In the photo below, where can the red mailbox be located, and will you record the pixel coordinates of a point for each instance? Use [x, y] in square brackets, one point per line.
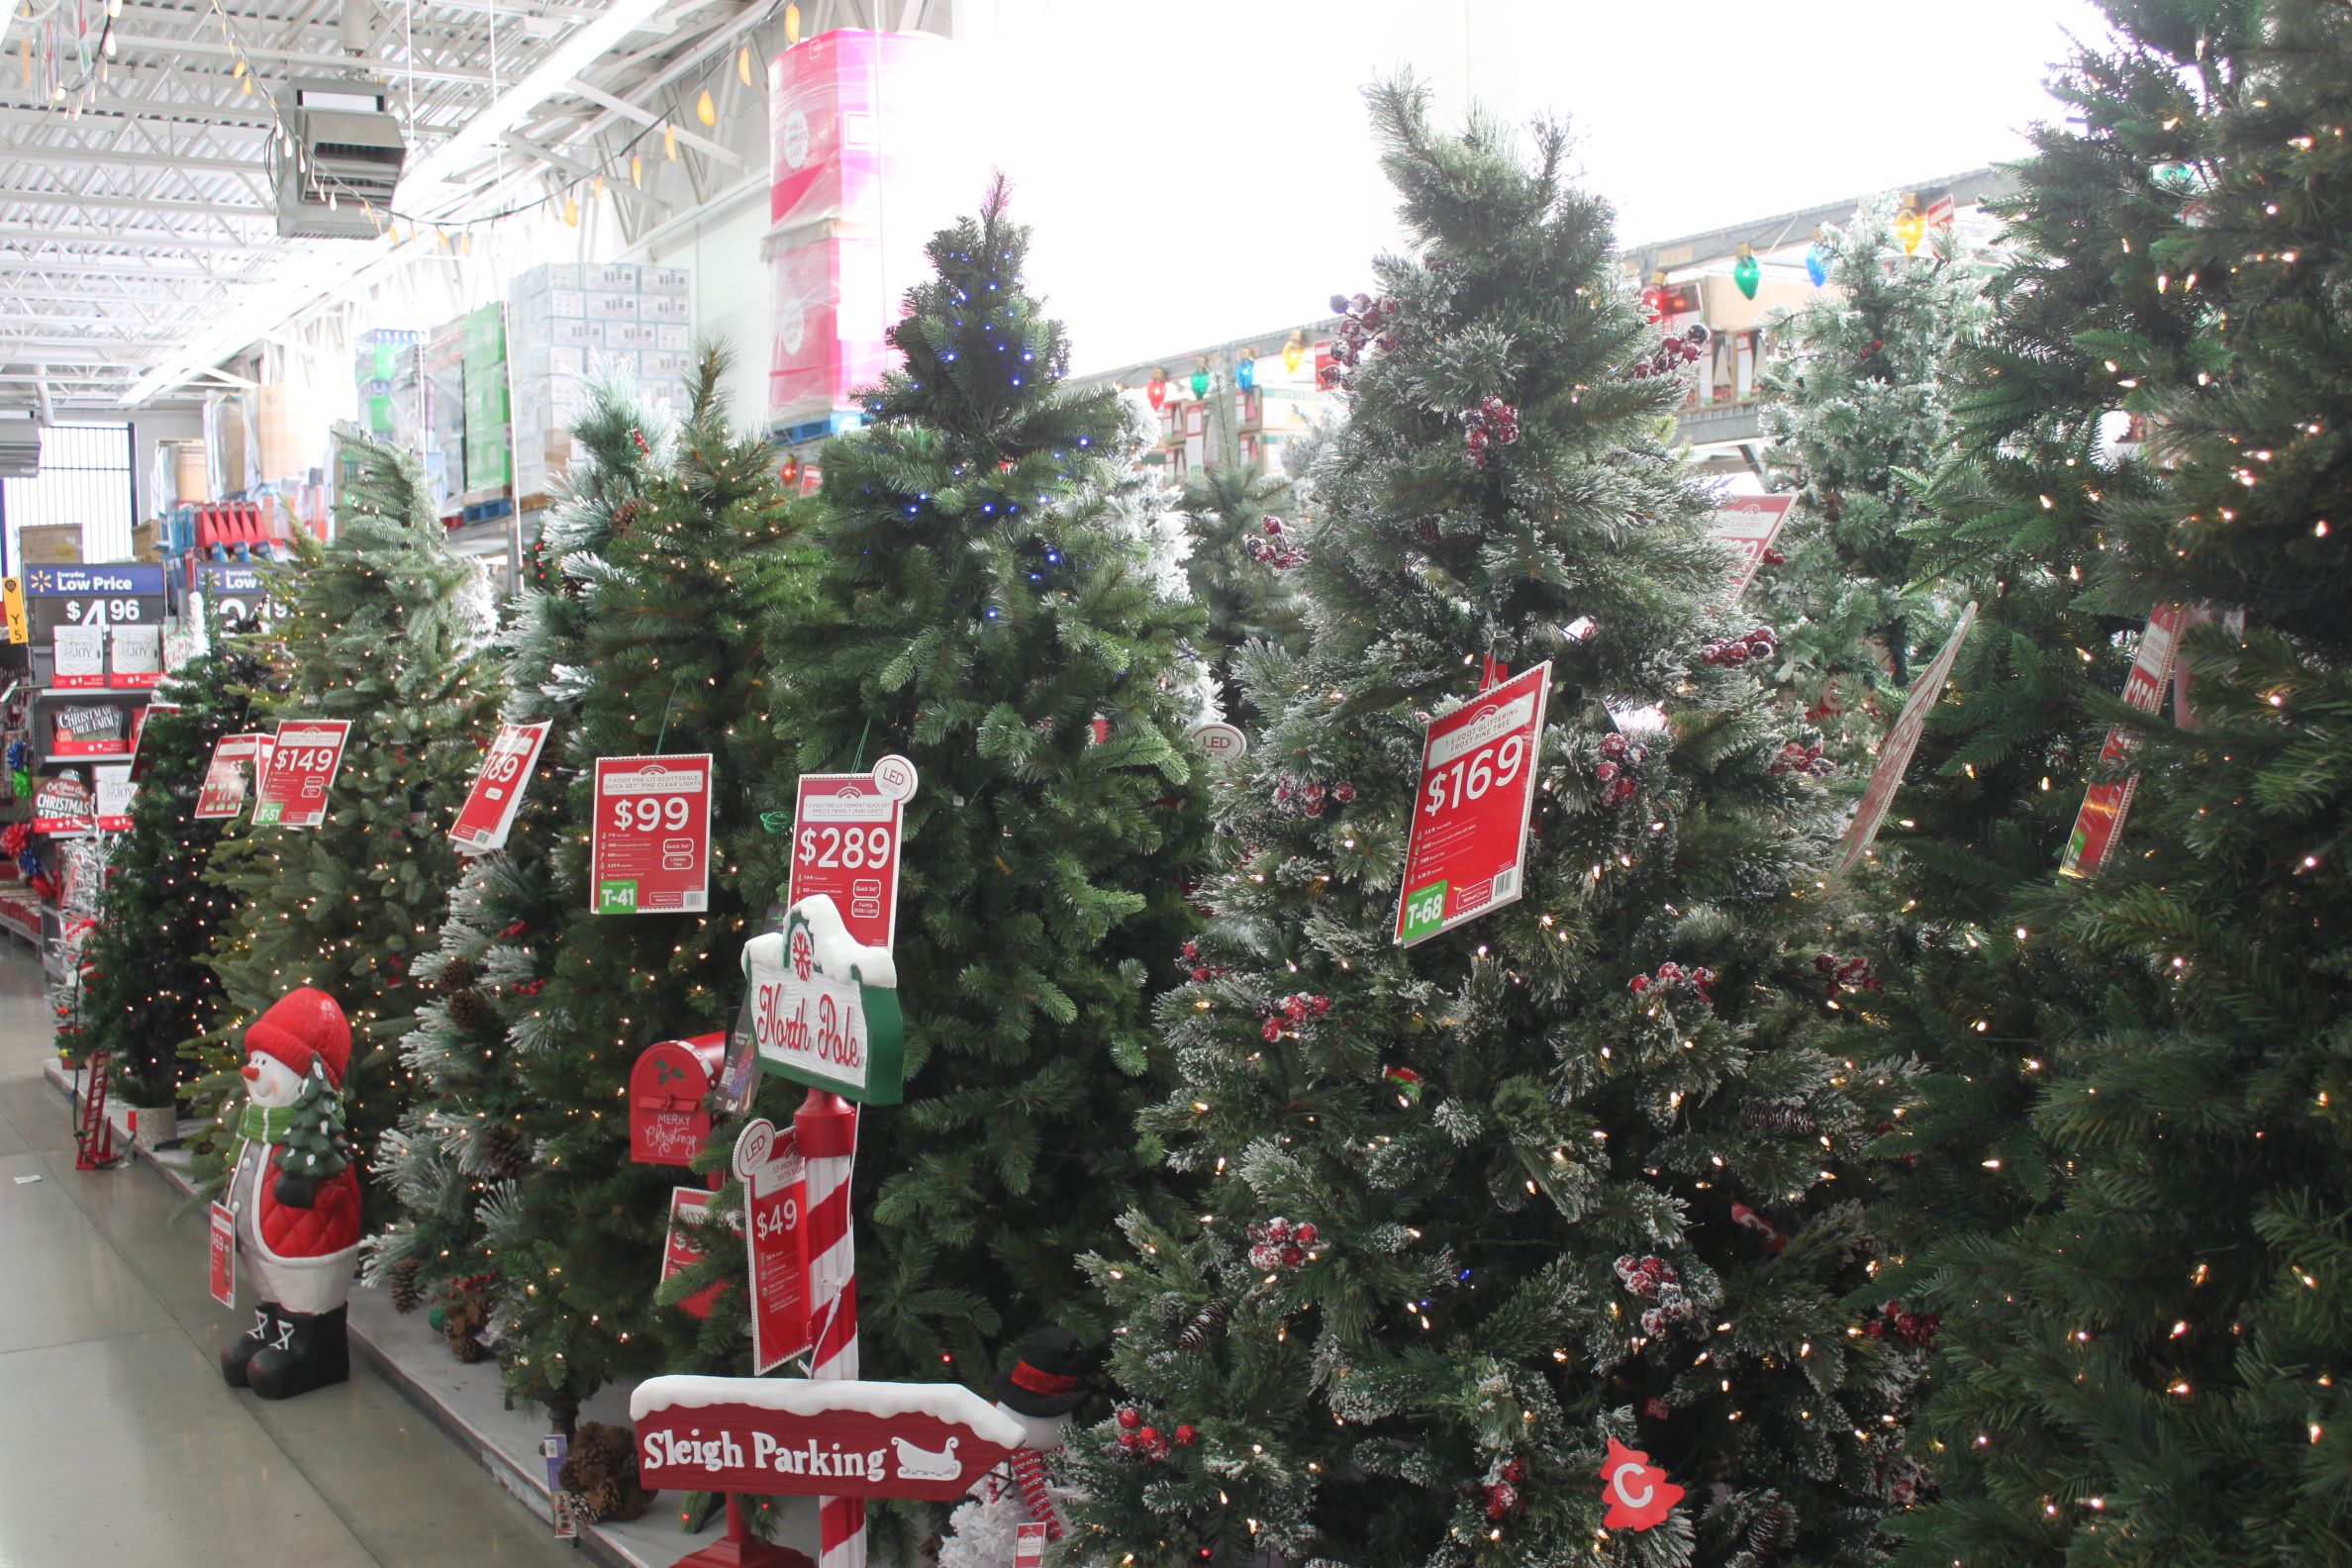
[670, 1117]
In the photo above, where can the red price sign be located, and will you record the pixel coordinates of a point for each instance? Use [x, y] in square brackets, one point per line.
[1029, 1546]
[224, 792]
[1895, 752]
[1746, 525]
[845, 830]
[488, 814]
[224, 1255]
[776, 1189]
[2100, 822]
[679, 1252]
[652, 850]
[1470, 818]
[303, 762]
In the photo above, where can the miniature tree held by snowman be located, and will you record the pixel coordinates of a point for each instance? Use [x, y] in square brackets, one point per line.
[294, 1193]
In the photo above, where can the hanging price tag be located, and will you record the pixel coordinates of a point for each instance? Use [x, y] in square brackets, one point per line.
[488, 814]
[652, 835]
[845, 830]
[1746, 525]
[223, 794]
[1029, 1546]
[1470, 817]
[679, 1252]
[224, 1255]
[2100, 822]
[776, 1190]
[303, 761]
[1895, 752]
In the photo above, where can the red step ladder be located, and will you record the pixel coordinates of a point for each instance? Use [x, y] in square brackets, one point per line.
[93, 1135]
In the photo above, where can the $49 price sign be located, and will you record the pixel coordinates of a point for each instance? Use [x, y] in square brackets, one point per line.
[845, 831]
[1470, 819]
[775, 1186]
[652, 835]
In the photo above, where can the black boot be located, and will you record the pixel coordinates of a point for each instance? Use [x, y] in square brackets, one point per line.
[308, 1352]
[238, 1353]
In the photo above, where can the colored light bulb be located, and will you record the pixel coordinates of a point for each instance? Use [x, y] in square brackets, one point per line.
[1294, 350]
[1246, 373]
[1155, 390]
[1745, 272]
[1200, 379]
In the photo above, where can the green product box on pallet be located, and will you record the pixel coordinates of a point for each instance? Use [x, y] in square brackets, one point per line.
[489, 465]
[485, 399]
[485, 337]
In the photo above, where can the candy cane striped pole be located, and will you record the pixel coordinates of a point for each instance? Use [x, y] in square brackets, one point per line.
[824, 1129]
[1029, 1473]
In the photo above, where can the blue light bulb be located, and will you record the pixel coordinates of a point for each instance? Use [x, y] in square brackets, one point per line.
[1816, 264]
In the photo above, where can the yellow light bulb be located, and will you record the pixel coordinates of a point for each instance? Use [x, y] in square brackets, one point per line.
[705, 109]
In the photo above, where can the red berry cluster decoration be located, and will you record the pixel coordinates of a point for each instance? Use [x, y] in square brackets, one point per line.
[1914, 1327]
[1652, 1279]
[1149, 1442]
[1672, 353]
[530, 987]
[1674, 978]
[1736, 652]
[1502, 1499]
[1773, 558]
[1618, 771]
[1366, 324]
[1270, 549]
[510, 932]
[1287, 1014]
[1200, 970]
[1279, 1244]
[1494, 422]
[1805, 759]
[1299, 797]
[1847, 974]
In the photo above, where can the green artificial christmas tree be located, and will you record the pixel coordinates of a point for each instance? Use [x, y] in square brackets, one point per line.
[317, 1145]
[1581, 1172]
[685, 561]
[1237, 518]
[1854, 396]
[149, 988]
[989, 608]
[466, 1143]
[386, 628]
[2152, 1368]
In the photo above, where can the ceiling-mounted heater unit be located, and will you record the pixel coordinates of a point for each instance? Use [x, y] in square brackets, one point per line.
[19, 443]
[351, 154]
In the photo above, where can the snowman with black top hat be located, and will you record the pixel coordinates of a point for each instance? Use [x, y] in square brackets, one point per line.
[1044, 1383]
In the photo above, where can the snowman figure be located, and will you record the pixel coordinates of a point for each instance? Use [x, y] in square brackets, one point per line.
[1044, 1383]
[294, 1189]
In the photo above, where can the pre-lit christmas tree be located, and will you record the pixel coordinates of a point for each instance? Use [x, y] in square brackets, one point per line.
[466, 1143]
[2153, 1369]
[1239, 518]
[149, 988]
[1854, 396]
[1581, 1171]
[387, 627]
[990, 611]
[692, 566]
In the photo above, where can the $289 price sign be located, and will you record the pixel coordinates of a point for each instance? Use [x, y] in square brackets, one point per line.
[845, 831]
[1470, 817]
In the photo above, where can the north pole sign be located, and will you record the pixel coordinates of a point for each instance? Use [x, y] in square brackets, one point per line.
[1470, 814]
[825, 1006]
[795, 1436]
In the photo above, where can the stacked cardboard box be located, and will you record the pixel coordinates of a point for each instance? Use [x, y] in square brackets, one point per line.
[489, 457]
[387, 368]
[865, 165]
[443, 369]
[571, 321]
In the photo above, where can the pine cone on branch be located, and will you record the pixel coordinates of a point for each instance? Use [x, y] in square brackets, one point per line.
[1205, 1325]
[472, 1010]
[458, 973]
[507, 1150]
[406, 1294]
[1781, 1119]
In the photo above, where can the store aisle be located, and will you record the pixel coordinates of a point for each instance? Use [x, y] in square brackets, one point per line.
[119, 1440]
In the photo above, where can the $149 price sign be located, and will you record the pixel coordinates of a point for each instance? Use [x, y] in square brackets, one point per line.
[845, 831]
[1470, 819]
[652, 837]
[488, 814]
[303, 762]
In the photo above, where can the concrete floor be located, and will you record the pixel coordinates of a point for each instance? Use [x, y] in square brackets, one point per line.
[119, 1442]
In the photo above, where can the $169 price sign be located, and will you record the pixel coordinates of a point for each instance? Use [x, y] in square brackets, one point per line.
[653, 835]
[845, 831]
[488, 814]
[1470, 818]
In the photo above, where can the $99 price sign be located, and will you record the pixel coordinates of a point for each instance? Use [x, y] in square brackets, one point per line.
[1470, 818]
[652, 835]
[845, 831]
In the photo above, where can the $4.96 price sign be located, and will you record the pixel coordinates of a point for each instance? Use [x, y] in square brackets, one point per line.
[488, 814]
[302, 767]
[652, 849]
[845, 830]
[1470, 818]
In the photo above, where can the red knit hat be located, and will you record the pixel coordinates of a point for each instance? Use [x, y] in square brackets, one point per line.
[302, 1024]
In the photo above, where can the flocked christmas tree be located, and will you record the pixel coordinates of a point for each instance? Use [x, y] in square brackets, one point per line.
[1239, 517]
[2154, 1369]
[1854, 395]
[1584, 1170]
[149, 989]
[465, 1144]
[387, 627]
[991, 612]
[693, 568]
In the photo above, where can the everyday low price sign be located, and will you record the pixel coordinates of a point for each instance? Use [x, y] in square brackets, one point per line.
[652, 835]
[1470, 817]
[303, 761]
[223, 794]
[488, 814]
[776, 1189]
[846, 834]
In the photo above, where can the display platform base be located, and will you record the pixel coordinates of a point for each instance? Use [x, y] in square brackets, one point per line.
[468, 1404]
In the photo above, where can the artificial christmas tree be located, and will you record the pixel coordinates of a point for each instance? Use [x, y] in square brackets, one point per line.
[694, 566]
[1239, 521]
[464, 1144]
[2152, 1369]
[149, 988]
[988, 610]
[1854, 396]
[386, 628]
[1492, 1216]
